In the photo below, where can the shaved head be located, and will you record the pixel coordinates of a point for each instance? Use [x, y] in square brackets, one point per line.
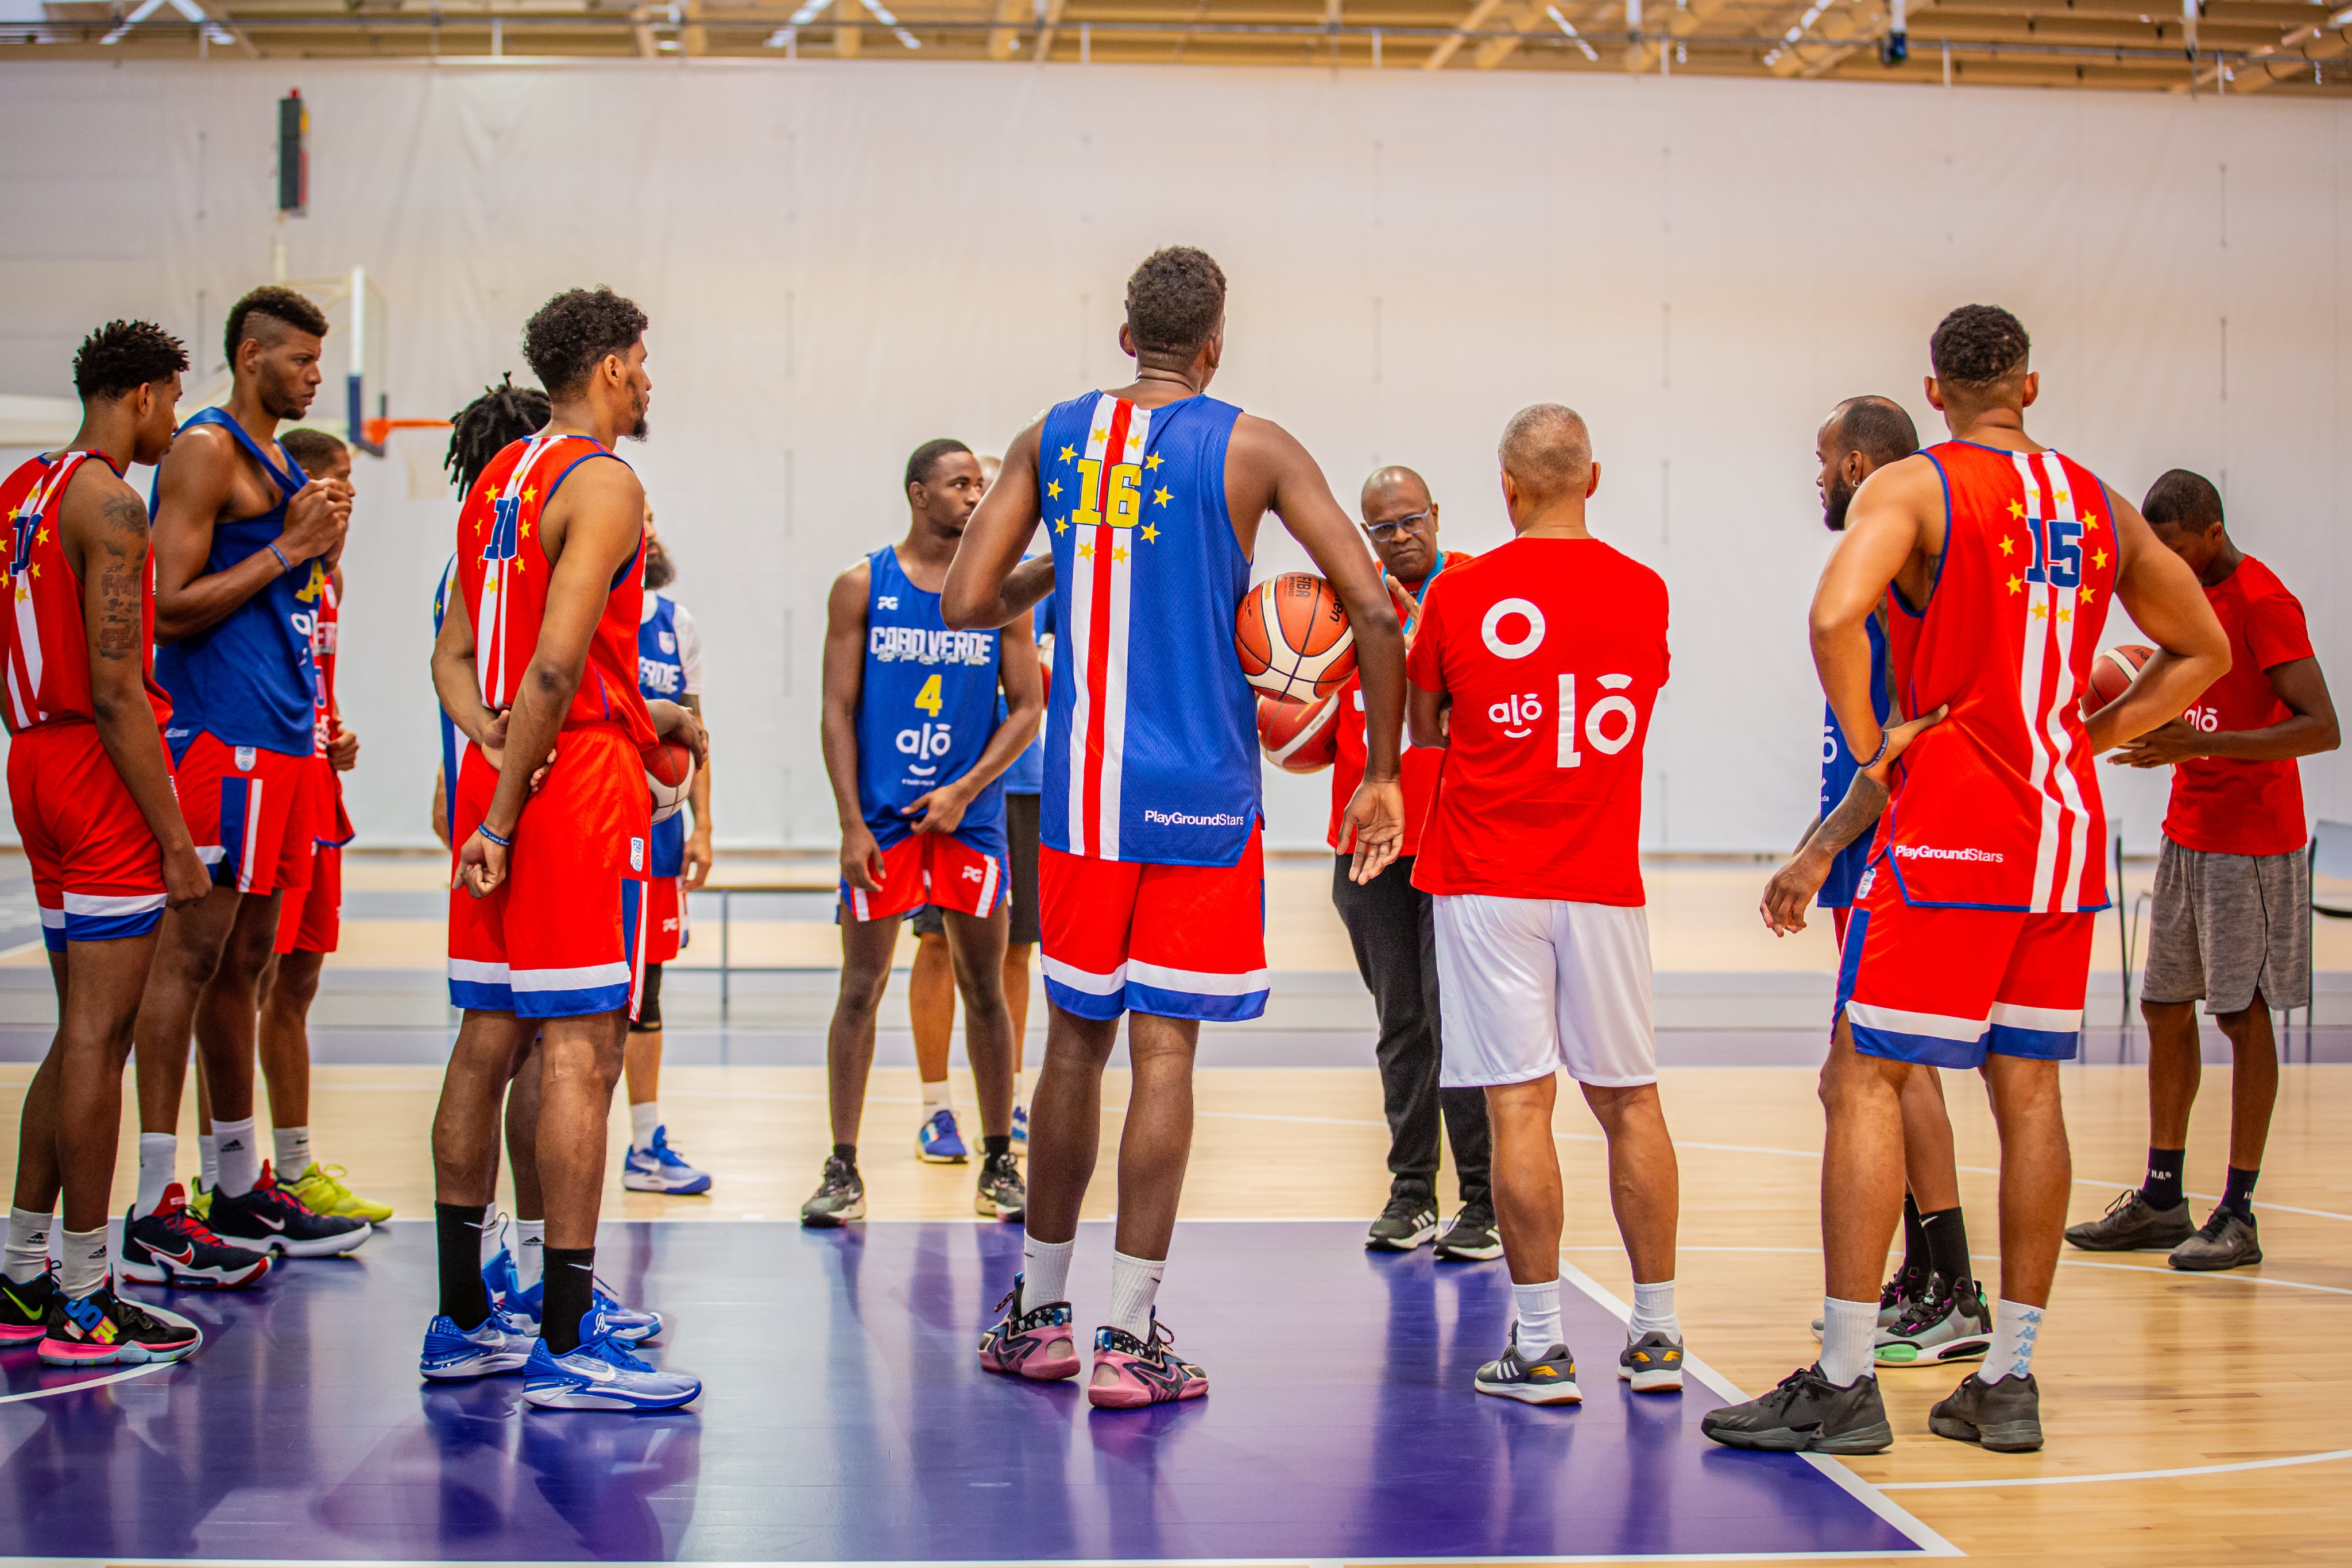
[1398, 480]
[1547, 451]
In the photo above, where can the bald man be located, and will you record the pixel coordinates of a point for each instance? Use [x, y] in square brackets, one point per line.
[1391, 927]
[1535, 668]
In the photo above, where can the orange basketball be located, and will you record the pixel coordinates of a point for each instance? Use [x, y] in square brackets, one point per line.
[669, 771]
[2112, 673]
[1294, 639]
[1299, 737]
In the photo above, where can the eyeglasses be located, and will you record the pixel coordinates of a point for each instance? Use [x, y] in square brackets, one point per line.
[1385, 531]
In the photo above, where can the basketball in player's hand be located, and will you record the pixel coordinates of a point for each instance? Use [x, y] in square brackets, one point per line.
[1299, 737]
[2112, 673]
[670, 770]
[1294, 639]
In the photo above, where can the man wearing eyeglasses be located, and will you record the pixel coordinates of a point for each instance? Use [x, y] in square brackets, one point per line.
[1391, 925]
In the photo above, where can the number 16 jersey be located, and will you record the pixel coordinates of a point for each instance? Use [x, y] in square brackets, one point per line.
[926, 707]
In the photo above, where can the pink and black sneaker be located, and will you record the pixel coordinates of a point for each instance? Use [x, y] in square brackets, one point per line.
[1034, 1343]
[1130, 1373]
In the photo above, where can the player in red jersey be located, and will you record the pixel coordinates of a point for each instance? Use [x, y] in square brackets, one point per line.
[91, 786]
[1970, 941]
[538, 658]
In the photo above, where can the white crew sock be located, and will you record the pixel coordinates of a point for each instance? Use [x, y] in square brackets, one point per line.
[1849, 1333]
[1537, 1308]
[81, 1269]
[207, 1160]
[1654, 1311]
[2015, 1327]
[158, 1153]
[1045, 1272]
[494, 1234]
[240, 1155]
[1134, 1285]
[937, 1097]
[644, 1119]
[530, 1252]
[291, 1147]
[28, 1246]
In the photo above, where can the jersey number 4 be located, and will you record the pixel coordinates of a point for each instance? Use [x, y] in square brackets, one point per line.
[928, 698]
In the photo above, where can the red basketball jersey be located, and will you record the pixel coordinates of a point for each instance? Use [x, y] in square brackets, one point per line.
[48, 643]
[503, 572]
[1998, 807]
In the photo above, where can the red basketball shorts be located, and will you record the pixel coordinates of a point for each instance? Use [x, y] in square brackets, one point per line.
[1944, 987]
[564, 936]
[252, 811]
[98, 873]
[1181, 941]
[966, 870]
[311, 921]
[665, 918]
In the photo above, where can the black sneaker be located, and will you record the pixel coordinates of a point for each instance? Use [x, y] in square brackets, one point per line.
[2132, 1224]
[25, 1309]
[1472, 1238]
[102, 1329]
[1653, 1364]
[1894, 1299]
[1409, 1221]
[1547, 1379]
[840, 1196]
[2227, 1239]
[173, 1247]
[2005, 1416]
[1807, 1411]
[1002, 1194]
[271, 1219]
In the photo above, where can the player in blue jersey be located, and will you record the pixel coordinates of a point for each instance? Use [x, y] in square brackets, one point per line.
[240, 534]
[1151, 881]
[915, 754]
[1932, 1311]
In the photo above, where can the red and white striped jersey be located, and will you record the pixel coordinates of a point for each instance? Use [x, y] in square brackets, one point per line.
[48, 642]
[1998, 807]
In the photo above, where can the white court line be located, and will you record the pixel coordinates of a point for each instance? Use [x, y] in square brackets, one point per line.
[2327, 1458]
[123, 1377]
[2216, 1276]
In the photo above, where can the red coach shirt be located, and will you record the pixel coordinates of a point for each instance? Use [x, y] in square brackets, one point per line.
[1553, 652]
[2221, 804]
[1419, 766]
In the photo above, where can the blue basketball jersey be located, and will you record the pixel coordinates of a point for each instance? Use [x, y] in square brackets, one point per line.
[661, 673]
[251, 679]
[453, 739]
[926, 707]
[1027, 774]
[1151, 729]
[1838, 767]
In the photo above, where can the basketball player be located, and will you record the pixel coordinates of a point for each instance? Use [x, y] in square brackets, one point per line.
[240, 535]
[1535, 668]
[1391, 925]
[917, 757]
[669, 668]
[91, 787]
[1970, 940]
[537, 658]
[1932, 1310]
[1150, 880]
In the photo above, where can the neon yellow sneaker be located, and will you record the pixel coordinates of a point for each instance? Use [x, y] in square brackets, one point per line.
[322, 1191]
[200, 1198]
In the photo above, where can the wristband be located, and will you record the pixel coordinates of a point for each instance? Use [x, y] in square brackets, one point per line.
[503, 843]
[283, 564]
[1884, 735]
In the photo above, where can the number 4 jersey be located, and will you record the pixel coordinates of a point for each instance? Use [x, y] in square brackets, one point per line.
[926, 708]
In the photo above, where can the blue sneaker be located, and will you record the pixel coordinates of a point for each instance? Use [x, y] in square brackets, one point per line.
[499, 1344]
[657, 1169]
[601, 1375]
[939, 1142]
[626, 1325]
[1020, 1124]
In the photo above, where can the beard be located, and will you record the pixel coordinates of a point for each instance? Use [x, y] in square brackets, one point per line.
[660, 573]
[285, 402]
[1834, 501]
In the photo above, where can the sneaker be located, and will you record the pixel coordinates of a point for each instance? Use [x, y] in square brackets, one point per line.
[1943, 1324]
[1002, 1194]
[1130, 1373]
[1472, 1238]
[1653, 1364]
[1409, 1220]
[2227, 1239]
[269, 1218]
[840, 1196]
[172, 1247]
[499, 1343]
[600, 1374]
[657, 1169]
[1894, 1300]
[1034, 1343]
[939, 1142]
[25, 1309]
[2005, 1416]
[102, 1329]
[2132, 1224]
[627, 1325]
[1807, 1411]
[200, 1198]
[321, 1189]
[1020, 1126]
[1548, 1379]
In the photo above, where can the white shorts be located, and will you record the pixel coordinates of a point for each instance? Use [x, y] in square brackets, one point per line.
[1528, 986]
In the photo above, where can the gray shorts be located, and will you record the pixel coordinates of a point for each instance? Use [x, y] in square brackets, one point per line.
[2226, 925]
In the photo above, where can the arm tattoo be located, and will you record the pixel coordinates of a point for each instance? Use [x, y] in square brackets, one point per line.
[1856, 815]
[125, 515]
[122, 591]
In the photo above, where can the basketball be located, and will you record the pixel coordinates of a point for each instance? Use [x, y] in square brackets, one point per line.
[2112, 673]
[1294, 639]
[670, 774]
[1299, 737]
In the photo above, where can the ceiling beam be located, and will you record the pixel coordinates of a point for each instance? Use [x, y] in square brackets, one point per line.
[1004, 38]
[1451, 45]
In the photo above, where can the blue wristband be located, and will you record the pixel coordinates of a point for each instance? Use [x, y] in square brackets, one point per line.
[503, 843]
[283, 564]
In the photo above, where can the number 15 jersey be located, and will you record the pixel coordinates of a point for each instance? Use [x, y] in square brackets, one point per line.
[926, 707]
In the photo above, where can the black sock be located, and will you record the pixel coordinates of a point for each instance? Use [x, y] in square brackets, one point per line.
[2238, 1195]
[1915, 1243]
[1947, 1245]
[569, 1292]
[846, 1153]
[995, 1144]
[457, 1234]
[2162, 1187]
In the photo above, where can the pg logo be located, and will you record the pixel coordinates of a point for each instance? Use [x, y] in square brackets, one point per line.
[973, 873]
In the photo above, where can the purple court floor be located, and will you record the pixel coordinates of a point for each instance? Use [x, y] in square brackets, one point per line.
[844, 1419]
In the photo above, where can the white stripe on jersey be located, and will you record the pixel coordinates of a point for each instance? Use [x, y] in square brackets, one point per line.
[1081, 603]
[2035, 649]
[491, 631]
[41, 503]
[2068, 894]
[1122, 589]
